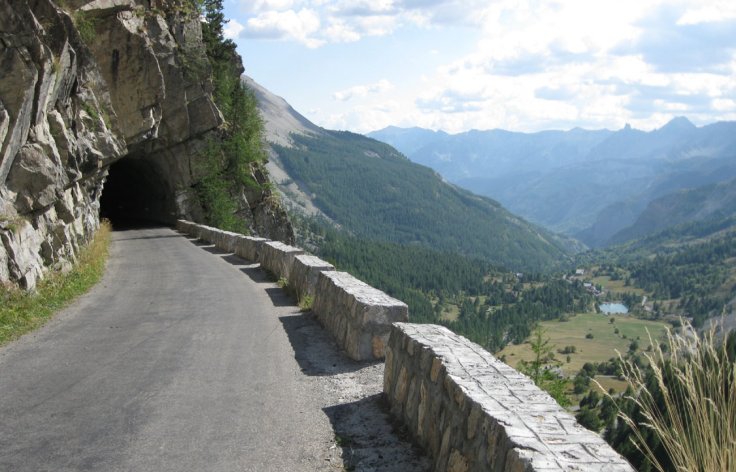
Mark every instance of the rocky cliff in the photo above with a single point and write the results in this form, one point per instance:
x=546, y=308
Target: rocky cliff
x=96, y=88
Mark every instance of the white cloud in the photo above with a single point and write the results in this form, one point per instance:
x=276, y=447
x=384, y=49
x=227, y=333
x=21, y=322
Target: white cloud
x=258, y=6
x=713, y=12
x=536, y=64
x=350, y=20
x=363, y=7
x=563, y=63
x=724, y=105
x=362, y=90
x=232, y=29
x=339, y=31
x=288, y=24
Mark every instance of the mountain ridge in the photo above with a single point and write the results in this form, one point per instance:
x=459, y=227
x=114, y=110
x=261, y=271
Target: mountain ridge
x=371, y=190
x=589, y=184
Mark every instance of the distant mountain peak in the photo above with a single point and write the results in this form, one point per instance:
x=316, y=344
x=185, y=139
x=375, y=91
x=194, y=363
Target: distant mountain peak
x=678, y=123
x=279, y=118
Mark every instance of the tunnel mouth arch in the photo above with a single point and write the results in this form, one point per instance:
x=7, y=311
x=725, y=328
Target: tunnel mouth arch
x=136, y=193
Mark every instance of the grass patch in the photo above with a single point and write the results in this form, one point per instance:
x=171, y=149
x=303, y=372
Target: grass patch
x=450, y=312
x=12, y=224
x=86, y=25
x=617, y=286
x=21, y=312
x=306, y=302
x=607, y=382
x=600, y=348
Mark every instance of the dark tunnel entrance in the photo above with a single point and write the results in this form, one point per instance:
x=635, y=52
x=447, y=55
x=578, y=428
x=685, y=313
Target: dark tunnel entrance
x=136, y=194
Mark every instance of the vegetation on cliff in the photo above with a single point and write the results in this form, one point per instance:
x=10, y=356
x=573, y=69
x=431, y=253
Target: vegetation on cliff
x=22, y=311
x=227, y=164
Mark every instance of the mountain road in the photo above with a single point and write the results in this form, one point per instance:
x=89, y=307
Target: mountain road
x=184, y=358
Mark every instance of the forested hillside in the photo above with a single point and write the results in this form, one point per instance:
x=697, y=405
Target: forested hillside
x=486, y=303
x=375, y=193
x=700, y=204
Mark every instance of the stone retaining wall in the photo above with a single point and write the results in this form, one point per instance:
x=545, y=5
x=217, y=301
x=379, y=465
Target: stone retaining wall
x=358, y=315
x=277, y=257
x=248, y=247
x=304, y=274
x=472, y=412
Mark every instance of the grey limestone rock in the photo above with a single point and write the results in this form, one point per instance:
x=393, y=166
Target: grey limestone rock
x=139, y=90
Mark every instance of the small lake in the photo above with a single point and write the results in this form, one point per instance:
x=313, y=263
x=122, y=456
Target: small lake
x=614, y=308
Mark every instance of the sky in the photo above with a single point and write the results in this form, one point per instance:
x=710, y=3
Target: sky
x=520, y=65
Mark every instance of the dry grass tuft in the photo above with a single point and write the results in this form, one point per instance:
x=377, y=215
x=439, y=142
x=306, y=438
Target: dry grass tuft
x=694, y=413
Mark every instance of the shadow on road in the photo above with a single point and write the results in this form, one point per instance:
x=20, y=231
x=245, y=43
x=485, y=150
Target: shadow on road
x=367, y=434
x=314, y=349
x=279, y=297
x=368, y=437
x=257, y=274
x=211, y=248
x=163, y=236
x=249, y=268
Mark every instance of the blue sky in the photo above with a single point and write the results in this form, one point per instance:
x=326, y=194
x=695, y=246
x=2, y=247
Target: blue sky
x=520, y=65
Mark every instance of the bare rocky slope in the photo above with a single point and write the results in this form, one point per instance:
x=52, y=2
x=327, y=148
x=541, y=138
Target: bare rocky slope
x=96, y=87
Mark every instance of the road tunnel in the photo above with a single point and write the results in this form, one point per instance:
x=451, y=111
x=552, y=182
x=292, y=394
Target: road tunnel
x=136, y=193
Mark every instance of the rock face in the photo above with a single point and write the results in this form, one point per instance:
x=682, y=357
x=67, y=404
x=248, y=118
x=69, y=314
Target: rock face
x=91, y=88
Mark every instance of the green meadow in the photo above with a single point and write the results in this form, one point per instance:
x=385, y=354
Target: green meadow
x=601, y=347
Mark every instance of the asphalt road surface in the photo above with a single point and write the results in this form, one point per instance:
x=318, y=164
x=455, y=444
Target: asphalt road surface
x=176, y=361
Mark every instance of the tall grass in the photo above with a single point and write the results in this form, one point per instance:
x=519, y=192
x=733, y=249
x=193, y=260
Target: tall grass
x=22, y=311
x=691, y=407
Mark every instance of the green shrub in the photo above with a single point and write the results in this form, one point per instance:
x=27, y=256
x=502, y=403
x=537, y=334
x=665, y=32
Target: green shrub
x=306, y=302
x=227, y=164
x=86, y=25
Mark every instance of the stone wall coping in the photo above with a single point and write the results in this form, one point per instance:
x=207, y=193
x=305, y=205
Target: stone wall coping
x=257, y=239
x=278, y=245
x=314, y=262
x=543, y=435
x=362, y=292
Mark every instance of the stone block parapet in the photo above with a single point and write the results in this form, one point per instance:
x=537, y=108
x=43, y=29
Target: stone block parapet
x=205, y=233
x=185, y=226
x=304, y=274
x=277, y=257
x=472, y=412
x=249, y=247
x=226, y=240
x=356, y=314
